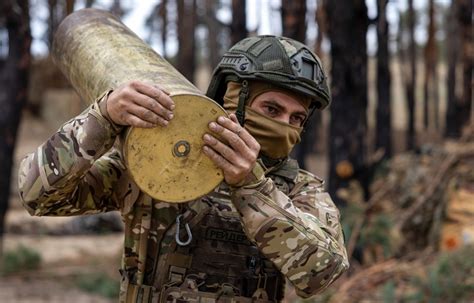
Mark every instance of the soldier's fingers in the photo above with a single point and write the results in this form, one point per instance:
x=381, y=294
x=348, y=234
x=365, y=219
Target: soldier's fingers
x=237, y=136
x=231, y=137
x=153, y=105
x=245, y=135
x=161, y=88
x=221, y=148
x=155, y=93
x=135, y=121
x=146, y=115
x=220, y=161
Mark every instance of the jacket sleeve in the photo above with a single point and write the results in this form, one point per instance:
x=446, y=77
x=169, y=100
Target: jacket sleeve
x=299, y=232
x=69, y=174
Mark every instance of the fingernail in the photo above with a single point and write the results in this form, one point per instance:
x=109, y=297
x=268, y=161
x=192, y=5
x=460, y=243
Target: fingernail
x=221, y=119
x=172, y=106
x=165, y=122
x=170, y=116
x=212, y=125
x=207, y=137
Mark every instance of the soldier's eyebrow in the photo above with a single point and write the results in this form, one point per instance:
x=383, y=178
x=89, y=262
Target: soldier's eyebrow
x=276, y=104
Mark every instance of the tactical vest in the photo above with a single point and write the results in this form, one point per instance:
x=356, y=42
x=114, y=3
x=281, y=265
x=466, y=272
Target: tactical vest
x=205, y=255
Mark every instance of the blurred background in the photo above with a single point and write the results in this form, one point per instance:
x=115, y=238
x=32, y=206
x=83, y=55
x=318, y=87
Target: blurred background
x=396, y=146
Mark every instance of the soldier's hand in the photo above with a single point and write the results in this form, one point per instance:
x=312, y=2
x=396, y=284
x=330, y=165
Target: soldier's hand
x=236, y=158
x=140, y=104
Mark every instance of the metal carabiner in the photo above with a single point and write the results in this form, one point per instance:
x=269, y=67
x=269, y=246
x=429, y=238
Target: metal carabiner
x=188, y=231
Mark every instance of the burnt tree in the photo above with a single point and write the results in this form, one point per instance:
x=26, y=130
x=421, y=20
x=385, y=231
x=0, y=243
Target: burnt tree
x=348, y=24
x=452, y=53
x=58, y=10
x=157, y=22
x=214, y=28
x=321, y=21
x=410, y=76
x=293, y=19
x=467, y=58
x=186, y=61
x=89, y=3
x=460, y=55
x=15, y=19
x=383, y=79
x=430, y=87
x=116, y=9
x=465, y=10
x=238, y=27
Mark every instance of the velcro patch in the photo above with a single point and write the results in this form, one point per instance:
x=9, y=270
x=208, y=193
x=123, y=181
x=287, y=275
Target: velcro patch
x=273, y=65
x=226, y=236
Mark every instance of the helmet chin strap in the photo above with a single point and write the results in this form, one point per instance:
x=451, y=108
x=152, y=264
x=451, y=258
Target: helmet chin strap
x=243, y=96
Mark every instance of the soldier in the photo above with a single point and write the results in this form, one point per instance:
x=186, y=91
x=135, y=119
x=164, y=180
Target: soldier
x=268, y=221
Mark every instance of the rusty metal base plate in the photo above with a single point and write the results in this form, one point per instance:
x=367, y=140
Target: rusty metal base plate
x=167, y=163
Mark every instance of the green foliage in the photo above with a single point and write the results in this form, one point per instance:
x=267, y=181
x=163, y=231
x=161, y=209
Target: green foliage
x=20, y=259
x=324, y=297
x=388, y=292
x=99, y=283
x=349, y=216
x=377, y=232
x=451, y=278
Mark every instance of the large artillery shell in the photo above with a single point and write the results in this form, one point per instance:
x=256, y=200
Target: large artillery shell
x=97, y=52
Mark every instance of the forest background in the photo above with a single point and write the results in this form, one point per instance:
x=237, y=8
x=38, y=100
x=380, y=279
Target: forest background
x=396, y=145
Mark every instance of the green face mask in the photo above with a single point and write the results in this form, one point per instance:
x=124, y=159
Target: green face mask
x=276, y=138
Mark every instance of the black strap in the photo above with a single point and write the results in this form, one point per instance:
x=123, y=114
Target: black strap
x=243, y=96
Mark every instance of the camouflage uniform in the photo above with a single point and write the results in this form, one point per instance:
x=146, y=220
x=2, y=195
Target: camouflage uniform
x=286, y=217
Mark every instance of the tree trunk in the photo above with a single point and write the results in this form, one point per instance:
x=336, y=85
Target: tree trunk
x=186, y=61
x=410, y=78
x=321, y=21
x=89, y=3
x=430, y=108
x=348, y=24
x=13, y=88
x=58, y=10
x=163, y=14
x=460, y=55
x=293, y=19
x=69, y=6
x=238, y=27
x=383, y=135
x=53, y=21
x=452, y=127
x=467, y=58
x=213, y=32
x=116, y=9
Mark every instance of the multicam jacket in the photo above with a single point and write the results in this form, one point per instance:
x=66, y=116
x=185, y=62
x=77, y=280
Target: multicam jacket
x=286, y=217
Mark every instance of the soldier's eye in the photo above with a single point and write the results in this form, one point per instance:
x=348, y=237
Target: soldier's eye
x=297, y=120
x=271, y=110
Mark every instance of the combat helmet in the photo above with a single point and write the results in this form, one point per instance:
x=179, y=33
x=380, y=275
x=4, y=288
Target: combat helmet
x=283, y=62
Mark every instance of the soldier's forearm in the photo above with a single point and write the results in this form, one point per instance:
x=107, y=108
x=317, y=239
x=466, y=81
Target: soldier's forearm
x=58, y=164
x=295, y=241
